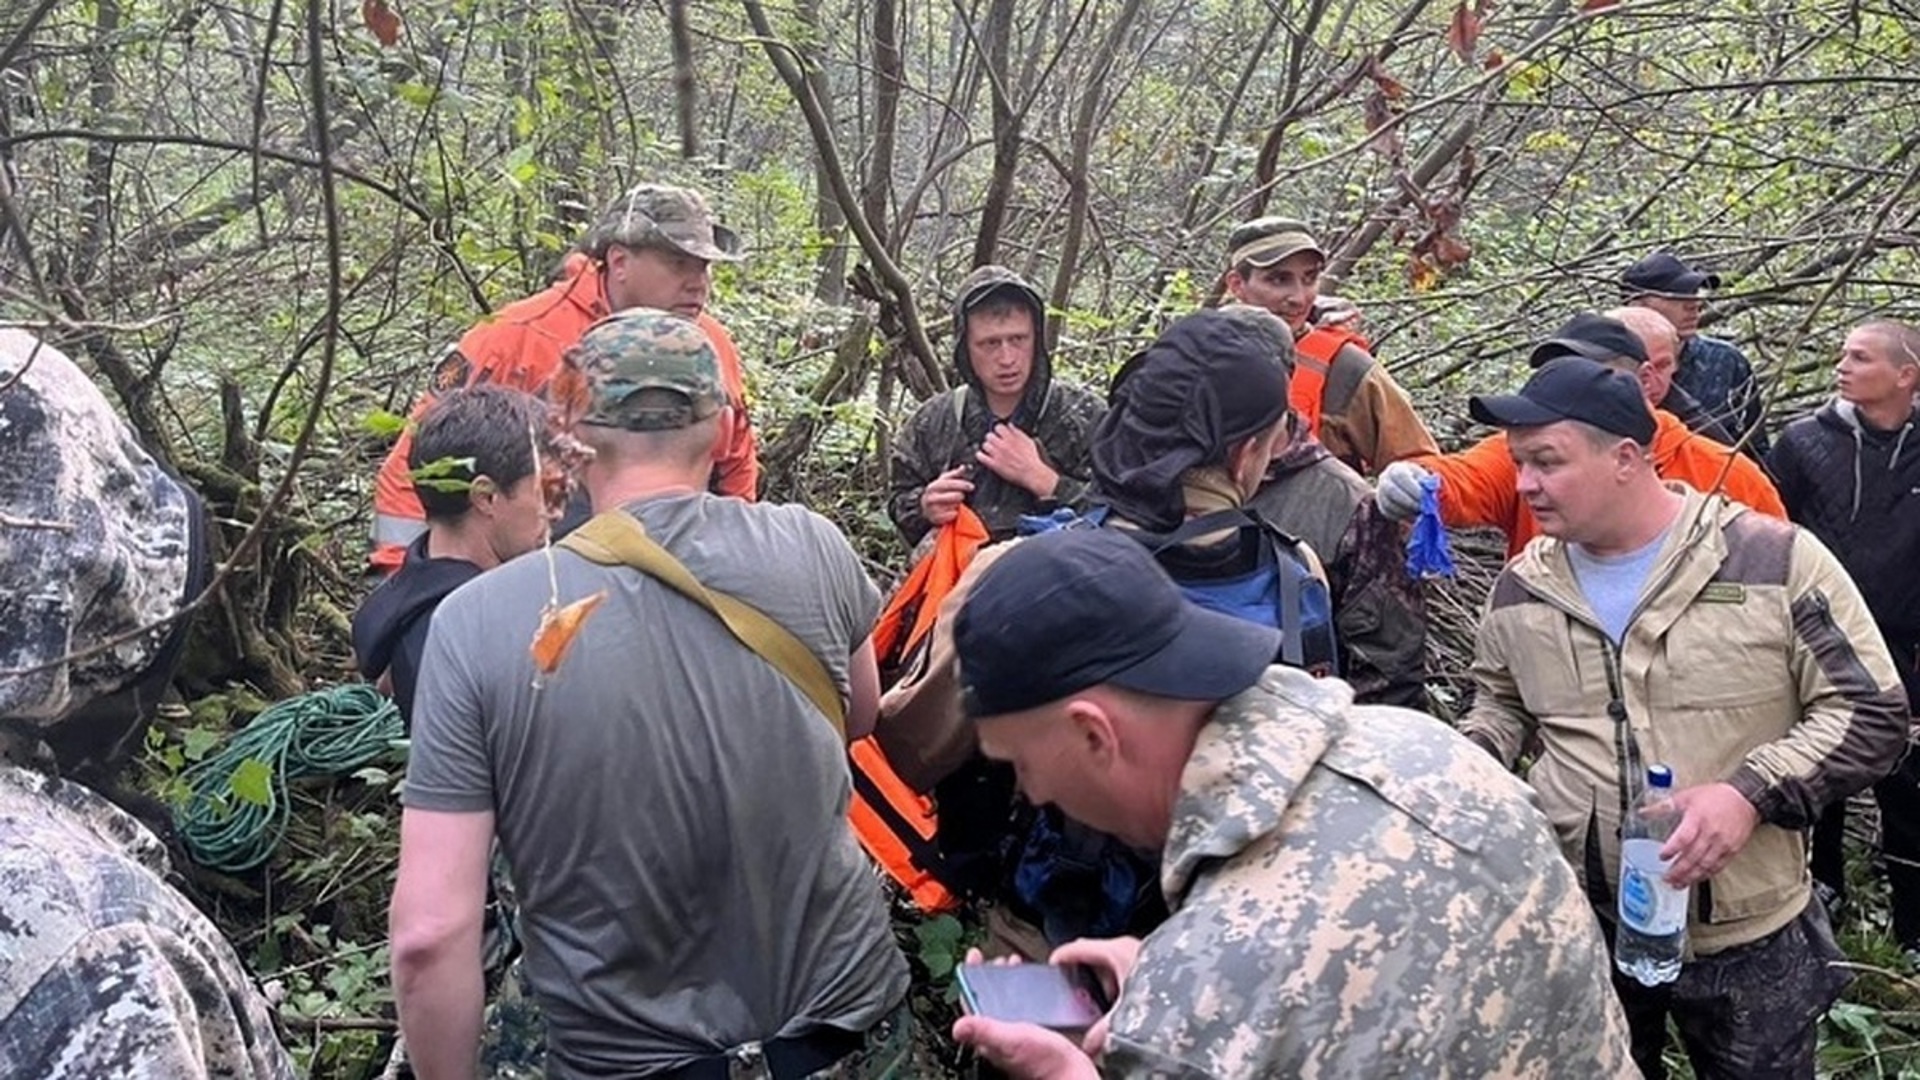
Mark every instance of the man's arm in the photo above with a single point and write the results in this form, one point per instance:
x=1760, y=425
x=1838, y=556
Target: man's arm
x=445, y=834
x=915, y=465
x=1783, y=462
x=435, y=928
x=1853, y=725
x=1378, y=421
x=863, y=691
x=1499, y=721
x=736, y=469
x=1478, y=486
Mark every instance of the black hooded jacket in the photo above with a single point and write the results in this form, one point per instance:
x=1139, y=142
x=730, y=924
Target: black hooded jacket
x=1857, y=488
x=390, y=629
x=948, y=429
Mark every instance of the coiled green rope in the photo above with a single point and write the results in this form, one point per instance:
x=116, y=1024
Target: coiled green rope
x=236, y=811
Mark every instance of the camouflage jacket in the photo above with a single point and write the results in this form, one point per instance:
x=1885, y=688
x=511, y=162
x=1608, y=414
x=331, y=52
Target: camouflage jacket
x=1379, y=610
x=1359, y=892
x=1720, y=378
x=111, y=548
x=106, y=971
x=944, y=433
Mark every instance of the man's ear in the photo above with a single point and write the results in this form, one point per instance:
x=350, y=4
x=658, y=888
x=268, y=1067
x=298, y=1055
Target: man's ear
x=481, y=493
x=1095, y=731
x=1235, y=283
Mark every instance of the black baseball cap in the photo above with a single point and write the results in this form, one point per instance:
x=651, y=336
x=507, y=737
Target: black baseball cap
x=1595, y=337
x=1075, y=608
x=1572, y=388
x=1663, y=274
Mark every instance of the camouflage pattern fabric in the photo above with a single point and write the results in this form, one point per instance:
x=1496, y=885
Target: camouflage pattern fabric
x=1359, y=892
x=105, y=971
x=634, y=350
x=1779, y=986
x=657, y=215
x=97, y=540
x=935, y=439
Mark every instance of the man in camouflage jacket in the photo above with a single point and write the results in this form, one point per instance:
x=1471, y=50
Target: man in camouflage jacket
x=1007, y=440
x=105, y=969
x=1353, y=893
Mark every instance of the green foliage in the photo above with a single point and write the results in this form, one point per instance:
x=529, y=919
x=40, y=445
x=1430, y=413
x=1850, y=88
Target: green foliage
x=252, y=782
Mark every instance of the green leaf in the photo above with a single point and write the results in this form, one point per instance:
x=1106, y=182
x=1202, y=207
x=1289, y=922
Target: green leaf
x=384, y=423
x=253, y=782
x=197, y=741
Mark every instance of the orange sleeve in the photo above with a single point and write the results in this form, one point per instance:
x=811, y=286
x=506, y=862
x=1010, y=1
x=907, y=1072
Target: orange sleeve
x=1479, y=486
x=1747, y=483
x=736, y=468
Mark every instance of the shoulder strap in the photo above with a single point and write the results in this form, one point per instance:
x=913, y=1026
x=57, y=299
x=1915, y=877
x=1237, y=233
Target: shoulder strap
x=616, y=538
x=960, y=406
x=1231, y=517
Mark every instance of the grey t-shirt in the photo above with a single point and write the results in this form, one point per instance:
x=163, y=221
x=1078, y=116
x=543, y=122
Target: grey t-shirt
x=1613, y=583
x=672, y=809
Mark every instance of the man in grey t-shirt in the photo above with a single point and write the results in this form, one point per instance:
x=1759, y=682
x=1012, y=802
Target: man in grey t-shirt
x=672, y=808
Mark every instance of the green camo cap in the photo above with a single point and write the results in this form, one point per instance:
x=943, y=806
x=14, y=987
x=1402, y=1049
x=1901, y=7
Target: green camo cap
x=657, y=215
x=1265, y=241
x=645, y=349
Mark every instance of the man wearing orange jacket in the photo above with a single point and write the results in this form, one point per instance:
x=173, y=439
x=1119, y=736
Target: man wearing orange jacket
x=1479, y=485
x=1343, y=396
x=653, y=247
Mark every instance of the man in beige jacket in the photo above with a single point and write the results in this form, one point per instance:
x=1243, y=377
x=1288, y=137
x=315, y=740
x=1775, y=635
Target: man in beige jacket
x=1652, y=623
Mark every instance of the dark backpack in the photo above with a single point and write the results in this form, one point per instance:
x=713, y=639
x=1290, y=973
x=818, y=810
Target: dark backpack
x=1264, y=576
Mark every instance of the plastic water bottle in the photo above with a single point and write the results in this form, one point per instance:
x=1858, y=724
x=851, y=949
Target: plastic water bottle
x=1653, y=914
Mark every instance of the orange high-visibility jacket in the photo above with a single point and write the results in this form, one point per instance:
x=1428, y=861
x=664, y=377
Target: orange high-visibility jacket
x=521, y=346
x=895, y=823
x=1346, y=398
x=1480, y=485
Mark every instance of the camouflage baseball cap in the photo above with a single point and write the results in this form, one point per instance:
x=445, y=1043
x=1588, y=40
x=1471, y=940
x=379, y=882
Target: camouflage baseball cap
x=656, y=215
x=1265, y=241
x=642, y=349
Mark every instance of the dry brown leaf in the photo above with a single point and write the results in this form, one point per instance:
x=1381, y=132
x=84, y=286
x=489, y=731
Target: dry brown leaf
x=1463, y=32
x=558, y=628
x=381, y=20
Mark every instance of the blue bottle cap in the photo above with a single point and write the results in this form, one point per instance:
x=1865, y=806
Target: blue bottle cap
x=1659, y=776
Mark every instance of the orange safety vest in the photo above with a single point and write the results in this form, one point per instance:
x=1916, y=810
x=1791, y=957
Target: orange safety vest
x=894, y=823
x=1313, y=354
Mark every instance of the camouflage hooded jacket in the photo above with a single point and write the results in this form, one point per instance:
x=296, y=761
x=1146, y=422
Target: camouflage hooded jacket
x=106, y=971
x=948, y=428
x=1357, y=891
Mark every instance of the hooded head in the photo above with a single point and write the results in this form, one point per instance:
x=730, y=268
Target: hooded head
x=1212, y=382
x=994, y=295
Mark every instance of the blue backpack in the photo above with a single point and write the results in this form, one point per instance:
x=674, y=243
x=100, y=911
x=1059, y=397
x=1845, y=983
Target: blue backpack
x=1075, y=882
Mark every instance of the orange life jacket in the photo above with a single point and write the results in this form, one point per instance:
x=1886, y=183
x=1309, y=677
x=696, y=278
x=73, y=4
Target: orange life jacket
x=894, y=823
x=1313, y=354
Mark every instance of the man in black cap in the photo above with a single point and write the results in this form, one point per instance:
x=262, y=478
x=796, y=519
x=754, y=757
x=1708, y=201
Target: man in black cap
x=1716, y=373
x=1355, y=890
x=1478, y=484
x=1656, y=624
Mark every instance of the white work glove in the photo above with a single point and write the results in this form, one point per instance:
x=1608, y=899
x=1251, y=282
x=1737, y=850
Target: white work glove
x=1397, y=491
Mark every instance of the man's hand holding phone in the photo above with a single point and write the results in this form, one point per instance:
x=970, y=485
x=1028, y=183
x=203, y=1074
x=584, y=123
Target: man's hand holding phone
x=1010, y=1006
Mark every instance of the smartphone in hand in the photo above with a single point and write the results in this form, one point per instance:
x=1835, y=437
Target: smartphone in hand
x=1065, y=998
